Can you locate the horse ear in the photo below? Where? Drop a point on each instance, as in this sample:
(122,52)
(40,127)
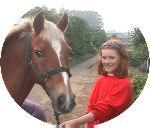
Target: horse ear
(38,22)
(63,22)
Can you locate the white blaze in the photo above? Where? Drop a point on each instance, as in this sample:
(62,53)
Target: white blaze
(56,45)
(52,34)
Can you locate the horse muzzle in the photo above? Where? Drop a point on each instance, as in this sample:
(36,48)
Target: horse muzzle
(64,104)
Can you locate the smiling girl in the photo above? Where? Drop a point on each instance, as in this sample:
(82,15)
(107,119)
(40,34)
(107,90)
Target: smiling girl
(112,92)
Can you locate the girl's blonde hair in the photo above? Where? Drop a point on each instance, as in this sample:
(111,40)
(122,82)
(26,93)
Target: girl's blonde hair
(122,70)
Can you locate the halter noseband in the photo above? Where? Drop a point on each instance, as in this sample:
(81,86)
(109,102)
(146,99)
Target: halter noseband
(47,75)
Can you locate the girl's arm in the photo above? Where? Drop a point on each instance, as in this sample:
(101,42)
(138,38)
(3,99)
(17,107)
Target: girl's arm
(75,123)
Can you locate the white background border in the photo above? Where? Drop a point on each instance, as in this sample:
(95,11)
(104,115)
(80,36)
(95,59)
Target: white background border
(12,116)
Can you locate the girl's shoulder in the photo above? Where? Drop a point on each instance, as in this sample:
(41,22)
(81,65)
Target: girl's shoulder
(114,79)
(126,80)
(101,77)
(124,83)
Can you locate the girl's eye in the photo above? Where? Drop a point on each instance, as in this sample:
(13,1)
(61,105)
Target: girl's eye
(103,57)
(38,53)
(111,57)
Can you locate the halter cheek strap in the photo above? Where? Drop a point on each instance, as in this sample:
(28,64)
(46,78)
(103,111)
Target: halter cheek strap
(47,75)
(43,77)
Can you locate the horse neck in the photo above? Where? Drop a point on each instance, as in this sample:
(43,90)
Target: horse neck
(15,71)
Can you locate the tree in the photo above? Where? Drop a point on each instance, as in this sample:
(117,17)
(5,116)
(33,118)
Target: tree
(98,37)
(93,18)
(50,15)
(137,37)
(138,50)
(79,36)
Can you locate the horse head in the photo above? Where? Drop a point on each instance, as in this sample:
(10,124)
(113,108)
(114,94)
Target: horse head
(50,55)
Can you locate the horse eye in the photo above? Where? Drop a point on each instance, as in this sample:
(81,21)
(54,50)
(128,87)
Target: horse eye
(38,53)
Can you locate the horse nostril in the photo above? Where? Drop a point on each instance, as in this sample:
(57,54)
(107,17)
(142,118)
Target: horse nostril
(73,104)
(65,106)
(61,101)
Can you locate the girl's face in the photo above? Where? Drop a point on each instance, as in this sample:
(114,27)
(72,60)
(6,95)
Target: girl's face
(110,60)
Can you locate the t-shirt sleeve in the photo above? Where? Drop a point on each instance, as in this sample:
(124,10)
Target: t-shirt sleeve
(119,99)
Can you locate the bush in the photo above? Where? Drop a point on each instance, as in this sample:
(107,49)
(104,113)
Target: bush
(138,55)
(138,82)
(144,67)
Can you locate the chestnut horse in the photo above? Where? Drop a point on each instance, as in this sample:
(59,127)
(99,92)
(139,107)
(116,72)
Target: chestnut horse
(37,52)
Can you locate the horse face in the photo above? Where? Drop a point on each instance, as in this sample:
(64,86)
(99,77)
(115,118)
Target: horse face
(50,51)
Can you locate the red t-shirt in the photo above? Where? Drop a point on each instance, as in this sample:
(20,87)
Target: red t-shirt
(110,97)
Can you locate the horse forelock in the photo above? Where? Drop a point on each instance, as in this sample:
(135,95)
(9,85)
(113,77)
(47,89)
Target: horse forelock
(54,36)
(51,32)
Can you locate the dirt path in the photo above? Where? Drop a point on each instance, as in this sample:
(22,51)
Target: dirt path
(84,76)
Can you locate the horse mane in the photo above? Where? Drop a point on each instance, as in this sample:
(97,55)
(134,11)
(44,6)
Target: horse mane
(16,33)
(17,29)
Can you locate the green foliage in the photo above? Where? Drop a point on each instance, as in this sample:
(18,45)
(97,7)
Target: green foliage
(93,18)
(138,55)
(79,37)
(137,37)
(50,15)
(95,23)
(144,67)
(98,37)
(138,82)
(138,50)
